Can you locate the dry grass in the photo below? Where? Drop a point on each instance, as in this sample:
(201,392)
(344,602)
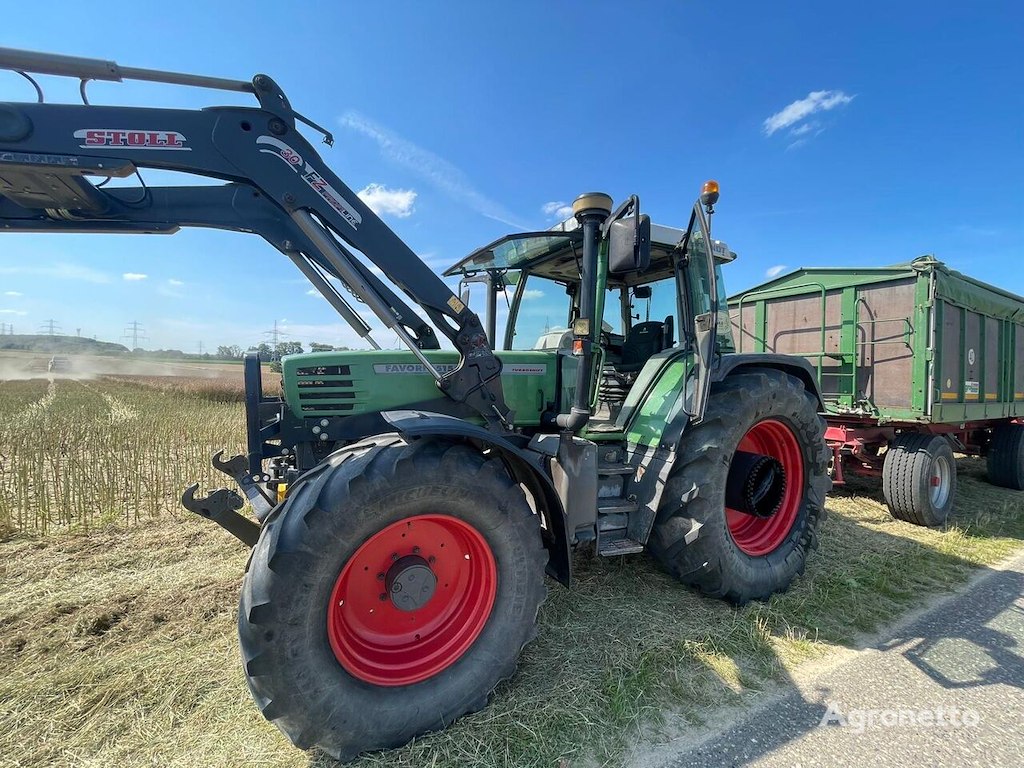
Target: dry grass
(77,454)
(119,646)
(225,387)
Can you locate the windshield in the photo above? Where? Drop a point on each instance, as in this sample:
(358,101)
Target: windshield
(517,251)
(542,315)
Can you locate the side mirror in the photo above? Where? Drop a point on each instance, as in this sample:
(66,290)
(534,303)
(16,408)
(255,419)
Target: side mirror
(642,292)
(629,245)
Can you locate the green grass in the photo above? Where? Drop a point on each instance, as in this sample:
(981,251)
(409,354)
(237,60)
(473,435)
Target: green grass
(118,644)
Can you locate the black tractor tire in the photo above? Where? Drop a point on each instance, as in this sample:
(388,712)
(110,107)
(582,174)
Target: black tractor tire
(728,559)
(919,478)
(359,505)
(1006,457)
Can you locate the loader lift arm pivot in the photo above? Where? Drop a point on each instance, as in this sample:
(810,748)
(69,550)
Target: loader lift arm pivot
(276,186)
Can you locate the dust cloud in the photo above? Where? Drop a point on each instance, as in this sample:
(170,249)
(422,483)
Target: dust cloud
(22,366)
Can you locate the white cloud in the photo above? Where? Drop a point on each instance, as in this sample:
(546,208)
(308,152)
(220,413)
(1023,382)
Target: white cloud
(557,210)
(171,289)
(805,128)
(532,293)
(433,168)
(384,201)
(778,269)
(816,101)
(12,293)
(60,271)
(134,276)
(17,312)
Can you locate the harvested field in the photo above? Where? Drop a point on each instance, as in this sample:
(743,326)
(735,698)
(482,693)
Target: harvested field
(117,613)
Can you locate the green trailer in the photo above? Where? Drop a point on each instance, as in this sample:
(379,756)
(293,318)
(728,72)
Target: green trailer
(914,361)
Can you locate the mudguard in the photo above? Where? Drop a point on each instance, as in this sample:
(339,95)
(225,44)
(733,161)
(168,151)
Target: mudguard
(794,366)
(526,466)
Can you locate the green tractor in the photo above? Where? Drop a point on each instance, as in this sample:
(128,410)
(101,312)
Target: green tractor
(408,503)
(421,536)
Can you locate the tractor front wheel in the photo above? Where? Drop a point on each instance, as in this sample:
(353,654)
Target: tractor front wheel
(391,595)
(747,491)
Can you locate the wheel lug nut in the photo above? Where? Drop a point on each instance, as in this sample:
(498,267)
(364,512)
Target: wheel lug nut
(394,556)
(380,576)
(415,550)
(383,596)
(431,559)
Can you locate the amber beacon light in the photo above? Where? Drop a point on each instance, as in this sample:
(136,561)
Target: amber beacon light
(709,192)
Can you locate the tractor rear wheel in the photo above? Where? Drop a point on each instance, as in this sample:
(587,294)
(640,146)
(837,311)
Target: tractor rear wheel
(919,478)
(739,555)
(1006,457)
(391,594)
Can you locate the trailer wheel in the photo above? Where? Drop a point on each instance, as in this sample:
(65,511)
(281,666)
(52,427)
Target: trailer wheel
(1006,457)
(390,596)
(737,555)
(919,478)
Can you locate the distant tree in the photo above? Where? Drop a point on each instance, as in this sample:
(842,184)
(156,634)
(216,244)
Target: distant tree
(231,352)
(315,346)
(287,348)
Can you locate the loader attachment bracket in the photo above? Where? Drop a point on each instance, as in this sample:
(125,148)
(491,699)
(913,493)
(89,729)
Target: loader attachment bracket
(222,506)
(237,468)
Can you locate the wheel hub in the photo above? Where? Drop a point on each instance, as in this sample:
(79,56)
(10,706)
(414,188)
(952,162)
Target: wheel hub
(412,599)
(774,487)
(410,583)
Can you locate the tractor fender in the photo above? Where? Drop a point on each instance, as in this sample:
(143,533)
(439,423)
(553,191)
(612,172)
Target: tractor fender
(795,366)
(526,467)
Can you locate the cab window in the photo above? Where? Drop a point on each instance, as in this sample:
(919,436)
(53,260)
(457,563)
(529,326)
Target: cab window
(542,314)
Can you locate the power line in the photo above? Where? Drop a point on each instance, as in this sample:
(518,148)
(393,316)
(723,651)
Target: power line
(50,328)
(135,332)
(275,334)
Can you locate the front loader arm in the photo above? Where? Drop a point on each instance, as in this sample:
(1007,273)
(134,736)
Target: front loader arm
(234,207)
(47,151)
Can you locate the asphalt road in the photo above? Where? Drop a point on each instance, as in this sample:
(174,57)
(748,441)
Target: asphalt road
(945,689)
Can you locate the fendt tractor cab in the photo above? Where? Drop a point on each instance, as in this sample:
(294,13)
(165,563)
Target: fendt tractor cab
(642,312)
(407,503)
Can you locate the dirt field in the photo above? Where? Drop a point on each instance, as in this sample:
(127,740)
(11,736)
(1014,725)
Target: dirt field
(117,611)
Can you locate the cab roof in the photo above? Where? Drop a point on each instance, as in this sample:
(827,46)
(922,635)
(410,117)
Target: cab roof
(554,253)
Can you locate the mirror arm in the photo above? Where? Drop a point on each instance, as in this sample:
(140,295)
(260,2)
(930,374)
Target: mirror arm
(631,205)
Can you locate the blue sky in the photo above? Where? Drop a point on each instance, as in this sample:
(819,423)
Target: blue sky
(855,133)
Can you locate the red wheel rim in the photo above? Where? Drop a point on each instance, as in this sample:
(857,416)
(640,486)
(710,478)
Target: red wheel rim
(380,643)
(758,536)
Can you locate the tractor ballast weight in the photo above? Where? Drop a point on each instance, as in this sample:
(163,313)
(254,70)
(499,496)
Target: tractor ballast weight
(406,503)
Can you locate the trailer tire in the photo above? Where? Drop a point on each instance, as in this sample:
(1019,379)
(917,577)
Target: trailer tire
(919,478)
(331,643)
(734,555)
(1006,457)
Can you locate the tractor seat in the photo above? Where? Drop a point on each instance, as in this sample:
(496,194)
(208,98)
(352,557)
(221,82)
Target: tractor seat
(642,341)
